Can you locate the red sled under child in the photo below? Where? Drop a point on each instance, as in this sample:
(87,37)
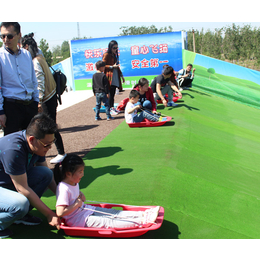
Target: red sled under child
(112,232)
(147,123)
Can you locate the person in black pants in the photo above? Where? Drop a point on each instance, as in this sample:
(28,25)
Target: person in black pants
(50,108)
(47,90)
(19,95)
(113,72)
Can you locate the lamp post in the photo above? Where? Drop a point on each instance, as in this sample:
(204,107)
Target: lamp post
(193,40)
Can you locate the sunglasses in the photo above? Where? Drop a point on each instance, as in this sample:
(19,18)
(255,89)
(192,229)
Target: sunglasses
(115,48)
(47,145)
(9,36)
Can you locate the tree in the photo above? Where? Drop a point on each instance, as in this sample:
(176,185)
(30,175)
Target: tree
(256,43)
(217,47)
(65,50)
(79,38)
(207,43)
(231,42)
(246,47)
(133,30)
(56,54)
(211,71)
(61,53)
(44,46)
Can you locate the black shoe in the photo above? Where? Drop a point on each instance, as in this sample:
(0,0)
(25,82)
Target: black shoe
(5,233)
(29,220)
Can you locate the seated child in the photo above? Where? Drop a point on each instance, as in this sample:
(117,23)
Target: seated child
(131,115)
(70,202)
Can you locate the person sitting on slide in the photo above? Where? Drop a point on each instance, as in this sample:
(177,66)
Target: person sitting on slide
(162,85)
(185,77)
(70,202)
(146,99)
(131,115)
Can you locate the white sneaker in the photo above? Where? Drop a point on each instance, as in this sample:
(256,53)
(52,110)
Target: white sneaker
(113,111)
(151,215)
(154,214)
(59,158)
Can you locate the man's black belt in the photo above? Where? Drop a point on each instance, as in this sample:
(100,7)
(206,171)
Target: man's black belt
(23,102)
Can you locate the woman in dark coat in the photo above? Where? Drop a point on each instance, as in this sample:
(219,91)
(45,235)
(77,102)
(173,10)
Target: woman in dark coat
(112,70)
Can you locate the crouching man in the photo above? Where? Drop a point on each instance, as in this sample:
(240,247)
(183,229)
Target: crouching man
(24,175)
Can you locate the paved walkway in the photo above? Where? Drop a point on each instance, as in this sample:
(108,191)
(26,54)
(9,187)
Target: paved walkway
(73,97)
(76,121)
(69,99)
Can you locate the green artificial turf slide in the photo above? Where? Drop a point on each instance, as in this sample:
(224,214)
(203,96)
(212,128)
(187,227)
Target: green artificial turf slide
(202,167)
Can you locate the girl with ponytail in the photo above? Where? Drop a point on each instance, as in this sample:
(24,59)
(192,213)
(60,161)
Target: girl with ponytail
(146,98)
(71,207)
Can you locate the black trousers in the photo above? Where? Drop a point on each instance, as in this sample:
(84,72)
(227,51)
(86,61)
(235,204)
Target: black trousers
(18,116)
(50,108)
(185,83)
(112,93)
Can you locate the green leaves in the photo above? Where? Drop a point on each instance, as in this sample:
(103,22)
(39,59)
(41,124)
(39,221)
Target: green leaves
(233,43)
(134,30)
(211,71)
(44,46)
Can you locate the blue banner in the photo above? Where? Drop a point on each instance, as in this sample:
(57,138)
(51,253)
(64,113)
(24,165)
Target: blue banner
(139,55)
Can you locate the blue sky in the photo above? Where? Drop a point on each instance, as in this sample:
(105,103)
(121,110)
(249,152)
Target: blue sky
(56,21)
(57,32)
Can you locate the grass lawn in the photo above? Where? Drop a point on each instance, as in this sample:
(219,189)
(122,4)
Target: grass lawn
(202,167)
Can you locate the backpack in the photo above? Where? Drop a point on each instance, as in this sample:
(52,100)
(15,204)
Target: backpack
(61,81)
(121,106)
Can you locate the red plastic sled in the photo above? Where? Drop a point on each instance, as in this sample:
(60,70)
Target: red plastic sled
(147,123)
(111,232)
